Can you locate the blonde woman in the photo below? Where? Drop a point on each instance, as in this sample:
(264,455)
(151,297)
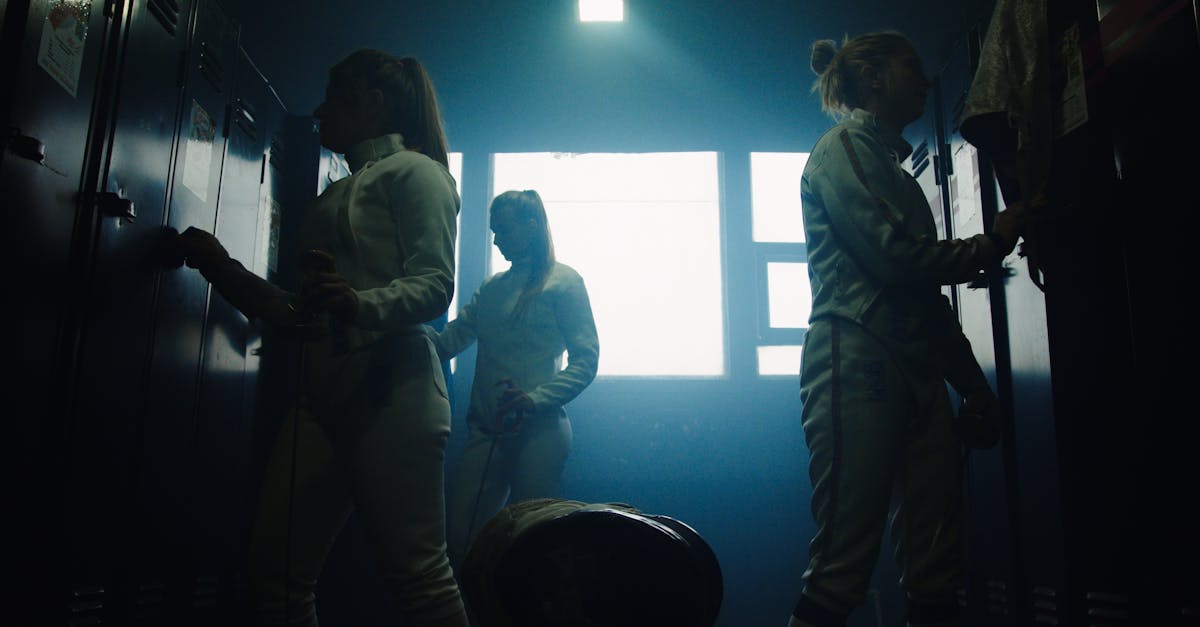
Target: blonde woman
(882,343)
(522,319)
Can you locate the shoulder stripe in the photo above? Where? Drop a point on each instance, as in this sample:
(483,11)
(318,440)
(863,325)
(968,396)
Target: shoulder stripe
(862,178)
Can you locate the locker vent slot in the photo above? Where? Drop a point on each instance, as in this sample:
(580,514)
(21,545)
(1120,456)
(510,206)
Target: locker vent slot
(1045,605)
(211,68)
(1106,608)
(920,159)
(997,598)
(276,152)
(207,587)
(243,116)
(87,605)
(167,14)
(149,599)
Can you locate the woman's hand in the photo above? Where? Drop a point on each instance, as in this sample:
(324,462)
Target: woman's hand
(326,290)
(1012,223)
(200,249)
(513,399)
(979,422)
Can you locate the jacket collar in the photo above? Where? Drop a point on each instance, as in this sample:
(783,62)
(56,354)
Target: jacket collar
(887,132)
(366,152)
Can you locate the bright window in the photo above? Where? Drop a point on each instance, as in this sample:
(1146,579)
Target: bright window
(779,360)
(644,231)
(775,196)
(455,159)
(788,294)
(778,233)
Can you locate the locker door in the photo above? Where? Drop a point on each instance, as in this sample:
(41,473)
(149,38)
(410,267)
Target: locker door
(162,553)
(116,335)
(994,586)
(224,479)
(53,58)
(1017,566)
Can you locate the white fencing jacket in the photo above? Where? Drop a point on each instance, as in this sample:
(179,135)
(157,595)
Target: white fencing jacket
(874,256)
(526,348)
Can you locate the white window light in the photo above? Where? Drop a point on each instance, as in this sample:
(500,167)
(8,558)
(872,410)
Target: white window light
(775,196)
(455,159)
(789,295)
(601,10)
(644,231)
(779,361)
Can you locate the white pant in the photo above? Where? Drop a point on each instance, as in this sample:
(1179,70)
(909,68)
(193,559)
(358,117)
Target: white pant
(880,446)
(384,461)
(522,466)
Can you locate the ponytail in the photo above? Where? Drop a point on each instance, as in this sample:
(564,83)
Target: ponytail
(408,92)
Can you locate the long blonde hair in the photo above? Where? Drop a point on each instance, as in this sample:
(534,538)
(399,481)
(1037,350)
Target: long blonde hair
(526,206)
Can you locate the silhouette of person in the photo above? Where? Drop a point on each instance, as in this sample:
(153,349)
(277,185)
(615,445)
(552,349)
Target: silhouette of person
(882,343)
(369,430)
(523,319)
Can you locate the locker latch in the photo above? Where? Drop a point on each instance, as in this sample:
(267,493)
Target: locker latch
(983,279)
(27,147)
(113,205)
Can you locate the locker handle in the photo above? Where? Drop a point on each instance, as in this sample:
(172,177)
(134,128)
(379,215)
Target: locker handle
(982,280)
(26,147)
(979,282)
(30,148)
(113,205)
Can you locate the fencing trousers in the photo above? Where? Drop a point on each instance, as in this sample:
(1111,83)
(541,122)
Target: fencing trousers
(881,446)
(386,463)
(522,466)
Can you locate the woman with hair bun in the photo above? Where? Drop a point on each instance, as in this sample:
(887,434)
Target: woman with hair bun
(882,343)
(369,430)
(523,319)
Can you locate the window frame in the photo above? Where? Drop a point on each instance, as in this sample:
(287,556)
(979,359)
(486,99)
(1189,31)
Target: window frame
(722,269)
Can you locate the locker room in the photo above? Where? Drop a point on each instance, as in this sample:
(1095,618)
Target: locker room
(668,143)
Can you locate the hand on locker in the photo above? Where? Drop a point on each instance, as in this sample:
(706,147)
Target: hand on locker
(1032,236)
(1012,223)
(326,290)
(979,420)
(200,249)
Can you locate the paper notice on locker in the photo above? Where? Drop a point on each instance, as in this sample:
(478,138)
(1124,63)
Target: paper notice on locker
(197,163)
(64,35)
(276,221)
(1072,111)
(969,215)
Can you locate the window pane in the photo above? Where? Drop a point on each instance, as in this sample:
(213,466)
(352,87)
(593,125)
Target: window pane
(775,195)
(455,159)
(779,360)
(644,232)
(788,294)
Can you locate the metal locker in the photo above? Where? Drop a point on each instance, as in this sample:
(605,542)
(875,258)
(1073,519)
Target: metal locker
(103,456)
(289,184)
(53,57)
(167,449)
(1118,276)
(224,483)
(1019,572)
(995,587)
